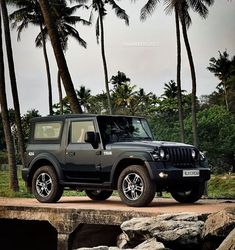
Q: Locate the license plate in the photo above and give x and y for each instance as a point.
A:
(191, 173)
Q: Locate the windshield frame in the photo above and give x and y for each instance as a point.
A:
(124, 129)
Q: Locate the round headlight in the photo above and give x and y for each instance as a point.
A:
(162, 153)
(193, 153)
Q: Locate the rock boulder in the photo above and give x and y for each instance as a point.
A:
(174, 230)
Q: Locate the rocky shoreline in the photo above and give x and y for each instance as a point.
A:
(177, 232)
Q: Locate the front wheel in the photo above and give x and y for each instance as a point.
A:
(45, 185)
(189, 196)
(135, 187)
(98, 195)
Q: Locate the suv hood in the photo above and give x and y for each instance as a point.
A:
(147, 144)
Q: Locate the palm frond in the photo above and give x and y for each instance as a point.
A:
(39, 37)
(148, 9)
(20, 28)
(75, 19)
(183, 10)
(75, 34)
(199, 7)
(121, 13)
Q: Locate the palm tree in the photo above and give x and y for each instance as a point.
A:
(222, 68)
(59, 55)
(65, 20)
(6, 123)
(13, 80)
(84, 95)
(171, 5)
(100, 7)
(119, 79)
(181, 8)
(29, 13)
(200, 7)
(170, 90)
(144, 100)
(178, 74)
(123, 97)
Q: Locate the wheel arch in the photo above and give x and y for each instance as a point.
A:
(124, 163)
(43, 160)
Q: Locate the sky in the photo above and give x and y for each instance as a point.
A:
(144, 51)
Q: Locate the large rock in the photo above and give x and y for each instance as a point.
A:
(229, 242)
(150, 244)
(122, 240)
(220, 224)
(174, 230)
(217, 227)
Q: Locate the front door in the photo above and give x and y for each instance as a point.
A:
(82, 160)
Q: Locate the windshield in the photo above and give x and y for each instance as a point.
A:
(120, 129)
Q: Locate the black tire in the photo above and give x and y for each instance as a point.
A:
(189, 196)
(135, 187)
(98, 195)
(45, 185)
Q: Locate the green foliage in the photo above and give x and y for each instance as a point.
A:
(224, 69)
(216, 132)
(26, 121)
(5, 191)
(222, 187)
(23, 193)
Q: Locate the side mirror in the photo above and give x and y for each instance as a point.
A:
(92, 138)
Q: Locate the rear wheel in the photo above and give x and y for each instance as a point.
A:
(98, 195)
(45, 185)
(135, 187)
(189, 196)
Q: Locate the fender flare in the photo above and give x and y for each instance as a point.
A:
(144, 157)
(46, 157)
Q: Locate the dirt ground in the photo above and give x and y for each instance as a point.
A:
(158, 206)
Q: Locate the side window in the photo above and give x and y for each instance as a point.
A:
(78, 130)
(47, 130)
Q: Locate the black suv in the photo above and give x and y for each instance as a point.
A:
(101, 153)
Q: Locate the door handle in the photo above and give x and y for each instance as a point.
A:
(70, 154)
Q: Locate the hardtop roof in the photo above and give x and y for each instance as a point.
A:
(67, 116)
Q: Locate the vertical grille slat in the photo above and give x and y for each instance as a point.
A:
(180, 156)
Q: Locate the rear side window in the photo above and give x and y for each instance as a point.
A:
(47, 130)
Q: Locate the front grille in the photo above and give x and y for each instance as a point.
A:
(181, 156)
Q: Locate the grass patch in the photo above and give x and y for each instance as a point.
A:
(23, 192)
(222, 187)
(5, 190)
(218, 187)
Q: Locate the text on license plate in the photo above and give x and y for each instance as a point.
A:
(191, 173)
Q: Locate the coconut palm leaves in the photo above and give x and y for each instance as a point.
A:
(224, 69)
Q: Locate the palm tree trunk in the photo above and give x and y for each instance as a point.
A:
(179, 92)
(60, 93)
(13, 81)
(104, 60)
(47, 70)
(194, 84)
(6, 124)
(60, 58)
(226, 96)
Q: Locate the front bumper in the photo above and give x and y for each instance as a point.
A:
(169, 173)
